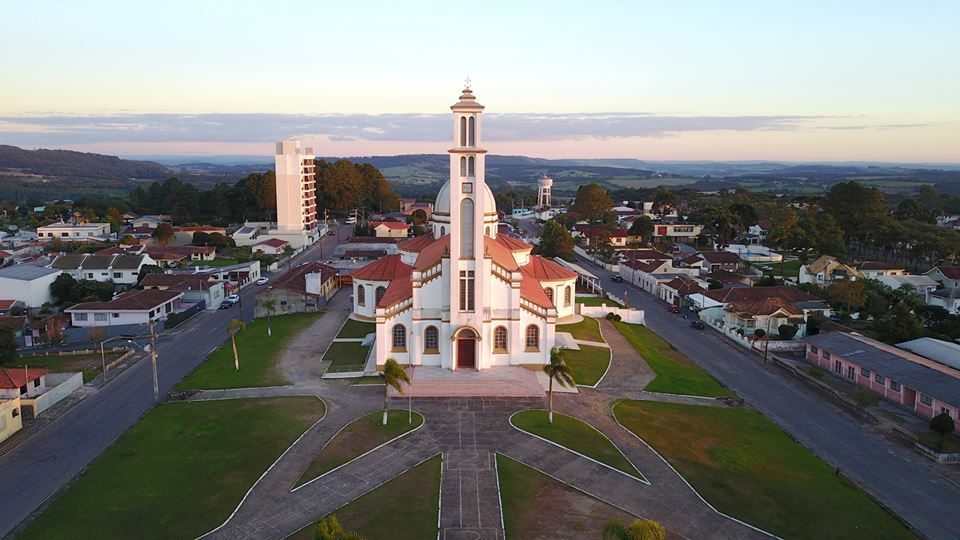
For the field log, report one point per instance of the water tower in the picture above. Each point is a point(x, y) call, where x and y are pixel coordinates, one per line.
point(543, 191)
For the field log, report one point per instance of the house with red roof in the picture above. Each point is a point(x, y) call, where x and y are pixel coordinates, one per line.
point(271, 246)
point(195, 287)
point(463, 296)
point(389, 229)
point(131, 307)
point(765, 308)
point(947, 276)
point(302, 289)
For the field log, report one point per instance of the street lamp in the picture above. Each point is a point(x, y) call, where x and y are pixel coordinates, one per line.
point(152, 349)
point(103, 356)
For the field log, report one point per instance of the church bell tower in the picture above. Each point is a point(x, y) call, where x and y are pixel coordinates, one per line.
point(466, 212)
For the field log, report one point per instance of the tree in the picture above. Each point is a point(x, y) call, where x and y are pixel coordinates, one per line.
point(64, 288)
point(164, 234)
point(8, 344)
point(663, 202)
point(759, 333)
point(787, 331)
point(640, 529)
point(270, 306)
point(899, 324)
point(642, 227)
point(146, 270)
point(235, 327)
point(329, 528)
point(848, 293)
point(115, 218)
point(592, 202)
point(556, 370)
point(942, 424)
point(555, 241)
point(393, 376)
point(288, 251)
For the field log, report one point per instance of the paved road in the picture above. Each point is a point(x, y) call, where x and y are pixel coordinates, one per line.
point(40, 466)
point(900, 479)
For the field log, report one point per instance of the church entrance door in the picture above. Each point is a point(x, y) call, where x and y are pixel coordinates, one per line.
point(467, 350)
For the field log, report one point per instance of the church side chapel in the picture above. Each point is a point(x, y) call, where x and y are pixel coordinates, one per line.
point(463, 296)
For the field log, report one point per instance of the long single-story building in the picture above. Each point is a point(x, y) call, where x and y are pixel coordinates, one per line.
point(132, 307)
point(924, 386)
point(28, 284)
point(195, 287)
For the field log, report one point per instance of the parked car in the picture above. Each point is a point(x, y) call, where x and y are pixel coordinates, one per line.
point(233, 298)
point(617, 278)
point(226, 304)
point(263, 281)
point(698, 324)
point(672, 308)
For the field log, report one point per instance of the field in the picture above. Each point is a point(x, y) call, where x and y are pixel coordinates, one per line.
point(746, 467)
point(676, 374)
point(179, 471)
point(258, 356)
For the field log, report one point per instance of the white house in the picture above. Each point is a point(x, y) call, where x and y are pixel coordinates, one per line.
point(948, 299)
point(122, 269)
point(826, 269)
point(74, 232)
point(922, 284)
point(947, 276)
point(28, 284)
point(876, 269)
point(132, 307)
point(270, 246)
point(195, 288)
point(464, 296)
point(389, 229)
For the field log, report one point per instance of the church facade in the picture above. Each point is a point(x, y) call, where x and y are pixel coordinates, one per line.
point(464, 296)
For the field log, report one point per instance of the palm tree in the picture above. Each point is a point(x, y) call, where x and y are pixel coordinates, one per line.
point(234, 328)
point(640, 529)
point(395, 376)
point(557, 370)
point(270, 306)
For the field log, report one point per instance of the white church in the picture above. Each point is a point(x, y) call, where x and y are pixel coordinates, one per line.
point(464, 296)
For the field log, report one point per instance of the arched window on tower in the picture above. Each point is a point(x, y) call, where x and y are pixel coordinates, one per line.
point(533, 338)
point(549, 292)
point(472, 131)
point(463, 131)
point(567, 294)
point(378, 294)
point(361, 295)
point(463, 166)
point(471, 166)
point(466, 228)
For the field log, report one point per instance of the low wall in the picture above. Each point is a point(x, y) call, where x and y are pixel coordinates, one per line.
point(632, 316)
point(59, 386)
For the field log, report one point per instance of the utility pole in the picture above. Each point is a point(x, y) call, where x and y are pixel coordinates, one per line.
point(153, 360)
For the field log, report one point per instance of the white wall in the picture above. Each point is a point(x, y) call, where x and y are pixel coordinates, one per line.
point(33, 293)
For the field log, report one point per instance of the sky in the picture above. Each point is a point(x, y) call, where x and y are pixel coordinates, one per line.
point(735, 80)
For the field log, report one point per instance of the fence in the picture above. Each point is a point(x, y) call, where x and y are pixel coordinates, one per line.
point(175, 319)
point(62, 385)
point(633, 316)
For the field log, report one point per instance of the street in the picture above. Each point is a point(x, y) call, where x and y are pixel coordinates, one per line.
point(902, 480)
point(41, 465)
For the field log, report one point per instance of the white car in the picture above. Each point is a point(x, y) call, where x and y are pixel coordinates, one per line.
point(233, 298)
point(263, 281)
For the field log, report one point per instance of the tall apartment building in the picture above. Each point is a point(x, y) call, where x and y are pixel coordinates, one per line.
point(296, 191)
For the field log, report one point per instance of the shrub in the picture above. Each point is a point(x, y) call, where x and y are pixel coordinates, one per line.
point(865, 397)
point(815, 371)
point(759, 333)
point(942, 424)
point(787, 331)
point(613, 317)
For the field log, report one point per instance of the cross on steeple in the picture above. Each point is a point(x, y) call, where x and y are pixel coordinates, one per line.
point(466, 83)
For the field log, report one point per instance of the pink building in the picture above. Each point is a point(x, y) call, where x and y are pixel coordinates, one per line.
point(924, 386)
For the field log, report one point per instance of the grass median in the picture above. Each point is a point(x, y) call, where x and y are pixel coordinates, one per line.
point(360, 436)
point(575, 435)
point(588, 364)
point(676, 374)
point(179, 472)
point(596, 301)
point(588, 329)
point(748, 468)
point(258, 354)
point(356, 329)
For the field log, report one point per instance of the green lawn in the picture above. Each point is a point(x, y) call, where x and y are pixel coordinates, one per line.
point(179, 471)
point(676, 374)
point(536, 506)
point(588, 329)
point(588, 364)
point(258, 356)
point(597, 301)
point(747, 468)
point(89, 364)
point(791, 269)
point(366, 379)
point(346, 356)
point(931, 439)
point(575, 435)
point(405, 508)
point(356, 329)
point(361, 435)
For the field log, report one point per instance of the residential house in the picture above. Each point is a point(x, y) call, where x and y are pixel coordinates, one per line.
point(22, 382)
point(195, 288)
point(591, 233)
point(650, 275)
point(149, 222)
point(677, 232)
point(875, 269)
point(922, 284)
point(714, 261)
point(921, 385)
point(749, 308)
point(946, 276)
point(236, 276)
point(36, 389)
point(389, 229)
point(303, 289)
point(409, 206)
point(28, 284)
point(729, 279)
point(184, 235)
point(948, 299)
point(825, 270)
point(11, 420)
point(271, 246)
point(131, 307)
point(20, 324)
point(6, 306)
point(122, 270)
point(678, 289)
point(174, 255)
point(75, 232)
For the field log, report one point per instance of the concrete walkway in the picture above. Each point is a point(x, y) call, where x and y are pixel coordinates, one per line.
point(300, 362)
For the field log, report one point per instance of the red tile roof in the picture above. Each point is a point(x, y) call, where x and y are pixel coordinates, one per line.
point(879, 265)
point(500, 253)
point(647, 267)
point(13, 378)
point(4, 255)
point(951, 272)
point(416, 244)
point(135, 300)
point(178, 282)
point(684, 286)
point(767, 306)
point(295, 279)
point(432, 253)
point(385, 269)
point(7, 304)
point(273, 242)
point(512, 243)
point(544, 269)
point(720, 257)
point(394, 225)
point(644, 254)
point(748, 294)
point(530, 289)
point(399, 289)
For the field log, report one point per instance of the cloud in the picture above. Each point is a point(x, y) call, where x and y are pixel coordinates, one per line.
point(57, 130)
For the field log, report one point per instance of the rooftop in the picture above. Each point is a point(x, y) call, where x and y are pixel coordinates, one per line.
point(13, 378)
point(945, 352)
point(135, 300)
point(384, 269)
point(26, 272)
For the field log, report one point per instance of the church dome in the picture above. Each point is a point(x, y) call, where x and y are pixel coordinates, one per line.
point(442, 206)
